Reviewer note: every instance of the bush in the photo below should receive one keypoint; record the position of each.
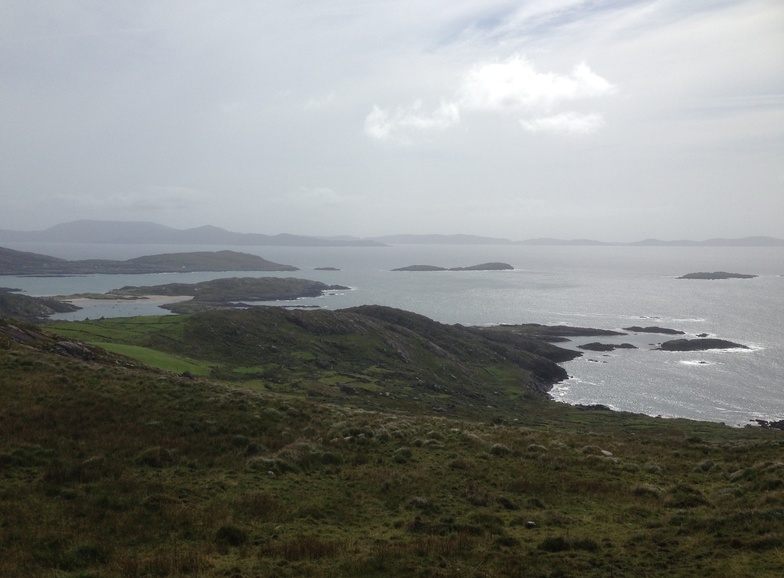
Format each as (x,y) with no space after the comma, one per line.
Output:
(500,450)
(231,536)
(554,544)
(561,544)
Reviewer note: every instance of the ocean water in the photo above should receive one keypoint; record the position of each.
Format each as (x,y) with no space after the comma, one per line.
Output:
(603,287)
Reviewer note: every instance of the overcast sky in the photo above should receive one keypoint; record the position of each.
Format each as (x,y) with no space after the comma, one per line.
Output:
(612,120)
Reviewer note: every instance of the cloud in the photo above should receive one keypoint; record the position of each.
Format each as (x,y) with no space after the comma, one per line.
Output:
(516,84)
(565,123)
(394,126)
(152,199)
(319,197)
(319,102)
(512,86)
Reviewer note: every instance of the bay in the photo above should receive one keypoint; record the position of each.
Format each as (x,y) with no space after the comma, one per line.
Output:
(604,287)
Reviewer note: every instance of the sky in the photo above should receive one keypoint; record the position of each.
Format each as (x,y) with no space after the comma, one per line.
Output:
(609,120)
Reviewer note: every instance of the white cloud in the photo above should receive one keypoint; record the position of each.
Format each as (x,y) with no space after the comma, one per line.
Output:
(516,84)
(319,196)
(511,86)
(394,126)
(152,199)
(319,102)
(565,123)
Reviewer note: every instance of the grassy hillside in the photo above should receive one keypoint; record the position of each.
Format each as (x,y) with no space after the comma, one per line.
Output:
(111,469)
(371,357)
(14,262)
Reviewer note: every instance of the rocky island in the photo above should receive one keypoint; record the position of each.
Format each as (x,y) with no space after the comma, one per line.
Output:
(716,275)
(702,344)
(596,346)
(495,266)
(654,329)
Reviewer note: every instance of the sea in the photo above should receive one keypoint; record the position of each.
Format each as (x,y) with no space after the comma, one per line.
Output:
(606,287)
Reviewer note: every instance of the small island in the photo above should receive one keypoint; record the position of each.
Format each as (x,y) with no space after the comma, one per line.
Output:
(699,345)
(494,266)
(716,275)
(663,330)
(596,346)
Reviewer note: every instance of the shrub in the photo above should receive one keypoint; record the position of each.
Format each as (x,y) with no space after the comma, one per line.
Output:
(648,490)
(302,548)
(500,450)
(561,544)
(402,455)
(231,536)
(554,544)
(154,457)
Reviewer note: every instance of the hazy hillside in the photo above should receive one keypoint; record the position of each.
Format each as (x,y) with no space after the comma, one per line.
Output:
(140,232)
(14,262)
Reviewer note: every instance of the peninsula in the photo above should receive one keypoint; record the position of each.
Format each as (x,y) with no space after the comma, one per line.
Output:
(14,262)
(31,309)
(229,293)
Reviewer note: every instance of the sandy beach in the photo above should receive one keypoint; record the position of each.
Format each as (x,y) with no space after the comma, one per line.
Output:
(156,299)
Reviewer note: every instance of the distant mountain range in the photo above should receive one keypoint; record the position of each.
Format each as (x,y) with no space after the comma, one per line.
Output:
(546,241)
(141,232)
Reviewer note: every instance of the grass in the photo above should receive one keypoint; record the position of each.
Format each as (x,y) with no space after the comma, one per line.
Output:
(403,364)
(158,359)
(112,470)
